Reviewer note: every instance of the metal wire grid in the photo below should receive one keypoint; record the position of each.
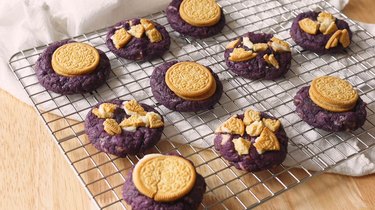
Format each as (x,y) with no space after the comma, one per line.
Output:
(191,134)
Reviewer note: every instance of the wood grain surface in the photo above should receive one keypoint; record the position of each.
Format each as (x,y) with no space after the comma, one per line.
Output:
(35,175)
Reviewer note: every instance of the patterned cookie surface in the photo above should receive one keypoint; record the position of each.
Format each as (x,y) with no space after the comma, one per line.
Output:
(200,12)
(190,80)
(75,59)
(333,94)
(164,178)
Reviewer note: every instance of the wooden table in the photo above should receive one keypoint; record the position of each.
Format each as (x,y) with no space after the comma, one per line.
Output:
(35,175)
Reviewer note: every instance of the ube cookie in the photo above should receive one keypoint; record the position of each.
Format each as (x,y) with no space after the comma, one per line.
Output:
(252,142)
(166,182)
(69,67)
(258,56)
(331,104)
(185,86)
(196,18)
(138,39)
(320,32)
(123,127)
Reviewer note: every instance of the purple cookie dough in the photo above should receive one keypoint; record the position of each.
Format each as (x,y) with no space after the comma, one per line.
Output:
(138,201)
(318,117)
(178,24)
(169,99)
(253,161)
(52,81)
(257,67)
(139,49)
(317,42)
(125,143)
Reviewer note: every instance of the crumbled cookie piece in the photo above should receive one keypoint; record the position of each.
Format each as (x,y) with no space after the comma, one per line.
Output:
(267,141)
(136,31)
(279,45)
(251,116)
(255,128)
(132,121)
(258,47)
(247,43)
(111,127)
(132,107)
(154,120)
(241,145)
(344,38)
(327,23)
(240,54)
(147,24)
(233,44)
(233,125)
(309,26)
(105,110)
(121,38)
(333,40)
(272,124)
(270,59)
(154,35)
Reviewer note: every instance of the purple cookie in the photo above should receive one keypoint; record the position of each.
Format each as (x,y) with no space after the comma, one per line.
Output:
(139,49)
(52,81)
(169,99)
(253,161)
(317,42)
(181,26)
(125,143)
(138,201)
(318,117)
(258,68)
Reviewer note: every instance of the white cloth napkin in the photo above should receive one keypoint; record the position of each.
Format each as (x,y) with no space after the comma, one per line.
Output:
(29,23)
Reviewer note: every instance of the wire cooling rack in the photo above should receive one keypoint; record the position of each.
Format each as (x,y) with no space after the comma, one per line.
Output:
(191,134)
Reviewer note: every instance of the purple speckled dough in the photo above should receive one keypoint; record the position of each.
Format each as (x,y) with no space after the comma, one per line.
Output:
(125,143)
(169,99)
(253,161)
(138,201)
(178,24)
(139,49)
(317,42)
(318,117)
(257,68)
(52,81)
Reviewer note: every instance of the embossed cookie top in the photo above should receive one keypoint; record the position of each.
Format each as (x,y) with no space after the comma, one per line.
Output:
(164,178)
(190,80)
(255,125)
(75,59)
(200,12)
(333,94)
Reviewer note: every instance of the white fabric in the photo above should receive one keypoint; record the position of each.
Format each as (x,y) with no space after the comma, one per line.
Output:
(29,23)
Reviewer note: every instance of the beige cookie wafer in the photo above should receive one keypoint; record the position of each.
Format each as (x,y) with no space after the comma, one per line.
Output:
(121,38)
(267,141)
(136,31)
(233,125)
(200,12)
(190,80)
(105,110)
(333,94)
(241,145)
(75,59)
(279,45)
(233,44)
(258,47)
(345,38)
(270,59)
(164,178)
(111,127)
(132,107)
(147,24)
(251,116)
(240,54)
(309,26)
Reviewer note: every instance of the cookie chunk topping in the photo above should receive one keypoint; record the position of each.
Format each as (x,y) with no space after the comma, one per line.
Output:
(260,132)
